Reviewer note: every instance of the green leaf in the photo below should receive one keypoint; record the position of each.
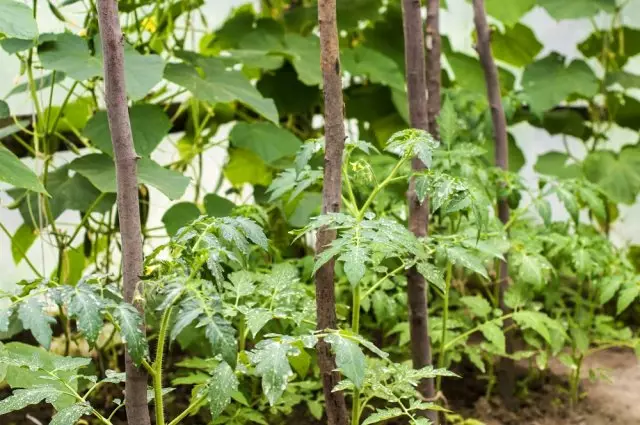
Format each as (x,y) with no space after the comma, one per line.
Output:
(533,320)
(617,175)
(101,172)
(626,79)
(223,383)
(14,172)
(70,54)
(71,415)
(22,398)
(569,201)
(220,86)
(544,210)
(493,333)
(22,241)
(626,297)
(548,82)
(16,20)
(221,336)
(623,42)
(5,318)
(130,323)
(217,206)
(413,142)
(149,125)
(432,274)
(478,305)
(4,109)
(383,415)
(179,215)
(555,164)
(354,264)
(377,67)
(509,12)
(609,287)
(575,9)
(269,142)
(245,166)
(257,318)
(86,307)
(470,76)
(187,314)
(272,365)
(517,46)
(464,258)
(33,315)
(349,358)
(304,53)
(448,122)
(531,268)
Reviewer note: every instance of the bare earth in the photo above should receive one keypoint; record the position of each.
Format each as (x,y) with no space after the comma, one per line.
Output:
(613,400)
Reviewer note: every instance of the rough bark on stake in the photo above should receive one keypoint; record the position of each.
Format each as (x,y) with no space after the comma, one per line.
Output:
(418,213)
(127,191)
(334,133)
(506,372)
(434,67)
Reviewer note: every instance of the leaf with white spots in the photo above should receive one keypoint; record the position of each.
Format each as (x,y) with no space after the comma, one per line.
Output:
(223,383)
(413,143)
(86,307)
(222,337)
(272,365)
(354,264)
(349,358)
(71,415)
(22,398)
(256,319)
(32,314)
(130,323)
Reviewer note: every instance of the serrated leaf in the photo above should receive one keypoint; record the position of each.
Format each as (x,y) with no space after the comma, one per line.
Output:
(432,274)
(272,365)
(544,210)
(32,313)
(609,287)
(222,384)
(253,232)
(478,305)
(354,264)
(257,318)
(493,333)
(535,321)
(5,316)
(85,305)
(221,336)
(413,142)
(626,297)
(22,398)
(349,358)
(70,415)
(130,323)
(383,415)
(188,313)
(462,257)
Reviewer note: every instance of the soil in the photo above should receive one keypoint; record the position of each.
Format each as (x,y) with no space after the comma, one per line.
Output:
(610,400)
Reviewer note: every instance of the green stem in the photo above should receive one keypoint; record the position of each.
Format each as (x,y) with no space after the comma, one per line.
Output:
(474,330)
(378,188)
(188,410)
(445,318)
(355,327)
(157,366)
(381,280)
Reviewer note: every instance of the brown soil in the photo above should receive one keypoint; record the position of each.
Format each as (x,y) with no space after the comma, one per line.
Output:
(611,400)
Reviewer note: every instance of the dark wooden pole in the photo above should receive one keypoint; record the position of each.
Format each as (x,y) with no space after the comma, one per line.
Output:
(506,372)
(334,133)
(434,67)
(127,191)
(418,213)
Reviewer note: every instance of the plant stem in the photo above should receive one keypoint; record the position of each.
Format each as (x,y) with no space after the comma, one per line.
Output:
(188,410)
(355,327)
(378,188)
(157,365)
(445,318)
